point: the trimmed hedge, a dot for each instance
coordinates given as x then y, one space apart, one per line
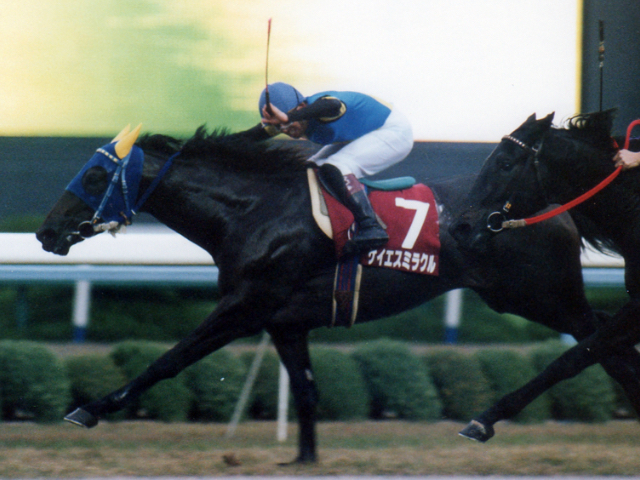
508 370
343 393
342 389
33 382
215 382
92 377
380 379
151 314
263 402
462 387
169 400
398 382
588 397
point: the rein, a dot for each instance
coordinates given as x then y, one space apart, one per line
496 220
562 208
558 210
156 181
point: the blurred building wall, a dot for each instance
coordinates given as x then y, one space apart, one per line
621 70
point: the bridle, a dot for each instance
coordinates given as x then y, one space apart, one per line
497 220
118 185
535 154
88 228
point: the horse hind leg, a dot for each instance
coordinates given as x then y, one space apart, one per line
294 354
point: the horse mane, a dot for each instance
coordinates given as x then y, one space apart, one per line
594 128
591 135
590 145
230 151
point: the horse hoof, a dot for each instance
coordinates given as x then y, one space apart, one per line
306 460
82 417
477 431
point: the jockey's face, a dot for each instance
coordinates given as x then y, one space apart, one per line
295 129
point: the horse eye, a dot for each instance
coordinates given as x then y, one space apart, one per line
95 180
505 164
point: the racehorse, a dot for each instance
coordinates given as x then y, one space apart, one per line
538 165
248 205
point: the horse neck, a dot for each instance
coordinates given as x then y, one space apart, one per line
609 218
600 220
204 203
451 194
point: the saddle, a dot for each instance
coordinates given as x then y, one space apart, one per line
407 210
409 214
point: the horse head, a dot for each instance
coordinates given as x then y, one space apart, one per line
503 186
100 197
533 167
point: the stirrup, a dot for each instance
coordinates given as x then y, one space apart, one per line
367 239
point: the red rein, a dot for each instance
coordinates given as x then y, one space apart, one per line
573 203
577 201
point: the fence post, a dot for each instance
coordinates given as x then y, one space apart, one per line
22 311
452 315
81 308
283 403
248 385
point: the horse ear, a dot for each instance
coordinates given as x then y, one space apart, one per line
124 145
122 133
527 123
548 120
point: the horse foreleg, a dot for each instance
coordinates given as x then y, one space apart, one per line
622 361
569 364
294 354
610 345
224 325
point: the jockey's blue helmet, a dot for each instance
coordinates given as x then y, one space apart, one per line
282 95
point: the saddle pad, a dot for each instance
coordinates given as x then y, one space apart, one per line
411 219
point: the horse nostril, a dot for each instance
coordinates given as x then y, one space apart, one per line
46 236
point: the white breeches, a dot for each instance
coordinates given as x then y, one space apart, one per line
372 152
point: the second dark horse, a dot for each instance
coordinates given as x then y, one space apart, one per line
537 165
248 205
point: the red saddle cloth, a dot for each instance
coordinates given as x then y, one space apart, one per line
411 219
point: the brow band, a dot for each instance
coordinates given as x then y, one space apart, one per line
108 155
520 143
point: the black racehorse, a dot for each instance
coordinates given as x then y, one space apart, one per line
538 165
248 205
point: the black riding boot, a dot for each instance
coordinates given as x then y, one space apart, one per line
369 233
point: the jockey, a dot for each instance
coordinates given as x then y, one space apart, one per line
360 135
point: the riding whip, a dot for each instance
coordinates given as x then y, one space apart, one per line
601 58
266 72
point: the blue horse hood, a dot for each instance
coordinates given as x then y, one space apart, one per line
117 201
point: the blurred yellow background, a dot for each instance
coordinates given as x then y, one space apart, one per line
462 70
